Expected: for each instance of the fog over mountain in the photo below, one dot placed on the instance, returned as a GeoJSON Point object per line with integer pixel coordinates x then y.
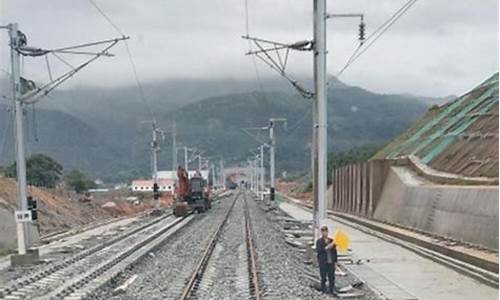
{"type": "Point", "coordinates": [104, 131]}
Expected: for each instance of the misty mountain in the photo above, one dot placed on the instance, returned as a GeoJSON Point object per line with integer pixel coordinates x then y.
{"type": "Point", "coordinates": [73, 142]}
{"type": "Point", "coordinates": [102, 130]}
{"type": "Point", "coordinates": [356, 117]}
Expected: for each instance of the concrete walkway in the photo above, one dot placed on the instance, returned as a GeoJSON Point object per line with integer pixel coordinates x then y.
{"type": "Point", "coordinates": [400, 272]}
{"type": "Point", "coordinates": [107, 229]}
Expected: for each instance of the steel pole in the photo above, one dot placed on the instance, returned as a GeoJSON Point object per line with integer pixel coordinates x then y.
{"type": "Point", "coordinates": [221, 174]}
{"type": "Point", "coordinates": [154, 149]}
{"type": "Point", "coordinates": [321, 101]}
{"type": "Point", "coordinates": [213, 175]}
{"type": "Point", "coordinates": [256, 172]}
{"type": "Point", "coordinates": [271, 158]}
{"type": "Point", "coordinates": [22, 203]}
{"type": "Point", "coordinates": [251, 175]}
{"type": "Point", "coordinates": [186, 158]}
{"type": "Point", "coordinates": [174, 147]}
{"type": "Point", "coordinates": [262, 172]}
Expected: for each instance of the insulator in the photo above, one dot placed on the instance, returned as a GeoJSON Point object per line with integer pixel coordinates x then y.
{"type": "Point", "coordinates": [23, 41]}
{"type": "Point", "coordinates": [362, 32]}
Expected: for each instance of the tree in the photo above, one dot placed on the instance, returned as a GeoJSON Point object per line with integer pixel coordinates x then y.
{"type": "Point", "coordinates": [41, 170]}
{"type": "Point", "coordinates": [78, 181]}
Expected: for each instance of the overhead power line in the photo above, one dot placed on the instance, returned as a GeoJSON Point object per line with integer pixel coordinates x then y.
{"type": "Point", "coordinates": [130, 57]}
{"type": "Point", "coordinates": [374, 36]}
{"type": "Point", "coordinates": [105, 16]}
{"type": "Point", "coordinates": [269, 53]}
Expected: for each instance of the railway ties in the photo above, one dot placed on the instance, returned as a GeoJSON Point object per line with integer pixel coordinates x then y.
{"type": "Point", "coordinates": [227, 268]}
{"type": "Point", "coordinates": [71, 277]}
{"type": "Point", "coordinates": [213, 251]}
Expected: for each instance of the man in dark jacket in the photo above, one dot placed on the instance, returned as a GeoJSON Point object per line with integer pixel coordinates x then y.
{"type": "Point", "coordinates": [327, 257]}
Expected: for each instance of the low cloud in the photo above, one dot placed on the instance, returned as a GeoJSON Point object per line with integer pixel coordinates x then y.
{"type": "Point", "coordinates": [437, 48]}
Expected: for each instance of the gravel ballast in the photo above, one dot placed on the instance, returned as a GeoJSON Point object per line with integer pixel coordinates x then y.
{"type": "Point", "coordinates": [284, 269]}
{"type": "Point", "coordinates": [287, 271]}
{"type": "Point", "coordinates": [164, 273]}
{"type": "Point", "coordinates": [227, 272]}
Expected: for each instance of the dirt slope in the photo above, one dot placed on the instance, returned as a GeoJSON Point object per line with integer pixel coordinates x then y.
{"type": "Point", "coordinates": [63, 210]}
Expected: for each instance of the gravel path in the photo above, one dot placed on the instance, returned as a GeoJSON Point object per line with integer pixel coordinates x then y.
{"type": "Point", "coordinates": [281, 267]}
{"type": "Point", "coordinates": [164, 273]}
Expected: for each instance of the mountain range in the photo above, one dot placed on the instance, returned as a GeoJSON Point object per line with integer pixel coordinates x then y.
{"type": "Point", "coordinates": [105, 131]}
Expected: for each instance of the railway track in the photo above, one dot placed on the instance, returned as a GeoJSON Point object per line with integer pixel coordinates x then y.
{"type": "Point", "coordinates": [228, 268]}
{"type": "Point", "coordinates": [75, 276]}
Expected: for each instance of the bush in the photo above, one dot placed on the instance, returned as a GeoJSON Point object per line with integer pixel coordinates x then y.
{"type": "Point", "coordinates": [77, 181]}
{"type": "Point", "coordinates": [41, 170]}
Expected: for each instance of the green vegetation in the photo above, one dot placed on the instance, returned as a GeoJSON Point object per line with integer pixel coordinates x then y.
{"type": "Point", "coordinates": [44, 171]}
{"type": "Point", "coordinates": [209, 116]}
{"type": "Point", "coordinates": [354, 155]}
{"type": "Point", "coordinates": [41, 170]}
{"type": "Point", "coordinates": [77, 181]}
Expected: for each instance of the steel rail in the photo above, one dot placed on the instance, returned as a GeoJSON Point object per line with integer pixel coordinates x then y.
{"type": "Point", "coordinates": [35, 277]}
{"type": "Point", "coordinates": [76, 288]}
{"type": "Point", "coordinates": [251, 252]}
{"type": "Point", "coordinates": [203, 262]}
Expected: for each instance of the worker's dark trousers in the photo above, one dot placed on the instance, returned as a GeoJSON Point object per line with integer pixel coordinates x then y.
{"type": "Point", "coordinates": [327, 271]}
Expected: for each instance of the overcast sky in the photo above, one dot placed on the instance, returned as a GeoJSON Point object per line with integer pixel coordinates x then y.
{"type": "Point", "coordinates": [439, 47]}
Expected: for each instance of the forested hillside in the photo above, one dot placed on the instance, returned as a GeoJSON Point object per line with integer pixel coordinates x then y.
{"type": "Point", "coordinates": [112, 141]}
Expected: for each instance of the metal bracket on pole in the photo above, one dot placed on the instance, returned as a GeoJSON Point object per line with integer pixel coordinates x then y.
{"type": "Point", "coordinates": [37, 93]}
{"type": "Point", "coordinates": [23, 94]}
{"type": "Point", "coordinates": [275, 55]}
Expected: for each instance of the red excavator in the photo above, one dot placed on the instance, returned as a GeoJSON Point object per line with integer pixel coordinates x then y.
{"type": "Point", "coordinates": [190, 194]}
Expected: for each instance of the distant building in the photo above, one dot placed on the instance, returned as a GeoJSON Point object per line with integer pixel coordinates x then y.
{"type": "Point", "coordinates": [172, 175]}
{"type": "Point", "coordinates": [165, 185]}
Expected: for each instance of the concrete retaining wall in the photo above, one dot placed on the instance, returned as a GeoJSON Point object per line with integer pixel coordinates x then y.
{"type": "Point", "coordinates": [466, 213]}
{"type": "Point", "coordinates": [357, 187]}
{"type": "Point", "coordinates": [397, 195]}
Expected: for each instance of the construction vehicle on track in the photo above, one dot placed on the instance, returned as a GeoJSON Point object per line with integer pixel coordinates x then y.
{"type": "Point", "coordinates": [191, 194]}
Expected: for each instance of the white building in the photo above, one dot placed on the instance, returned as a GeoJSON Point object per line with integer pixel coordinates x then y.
{"type": "Point", "coordinates": [165, 185]}
{"type": "Point", "coordinates": [172, 175]}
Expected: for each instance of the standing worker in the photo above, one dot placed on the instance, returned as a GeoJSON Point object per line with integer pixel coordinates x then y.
{"type": "Point", "coordinates": [327, 258]}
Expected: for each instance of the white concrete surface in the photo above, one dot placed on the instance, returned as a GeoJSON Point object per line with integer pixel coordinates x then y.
{"type": "Point", "coordinates": [107, 229]}
{"type": "Point", "coordinates": [465, 213]}
{"type": "Point", "coordinates": [418, 276]}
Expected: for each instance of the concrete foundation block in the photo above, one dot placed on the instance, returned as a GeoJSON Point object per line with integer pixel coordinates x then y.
{"type": "Point", "coordinates": [31, 257]}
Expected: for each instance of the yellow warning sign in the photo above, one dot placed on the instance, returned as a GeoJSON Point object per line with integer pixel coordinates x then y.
{"type": "Point", "coordinates": [342, 241]}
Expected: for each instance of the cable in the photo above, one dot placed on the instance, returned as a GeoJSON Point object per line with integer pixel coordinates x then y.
{"type": "Point", "coordinates": [384, 30]}
{"type": "Point", "coordinates": [106, 17]}
{"type": "Point", "coordinates": [260, 87]}
{"type": "Point", "coordinates": [376, 35]}
{"type": "Point", "coordinates": [131, 59]}
{"type": "Point", "coordinates": [299, 122]}
{"type": "Point", "coordinates": [138, 82]}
